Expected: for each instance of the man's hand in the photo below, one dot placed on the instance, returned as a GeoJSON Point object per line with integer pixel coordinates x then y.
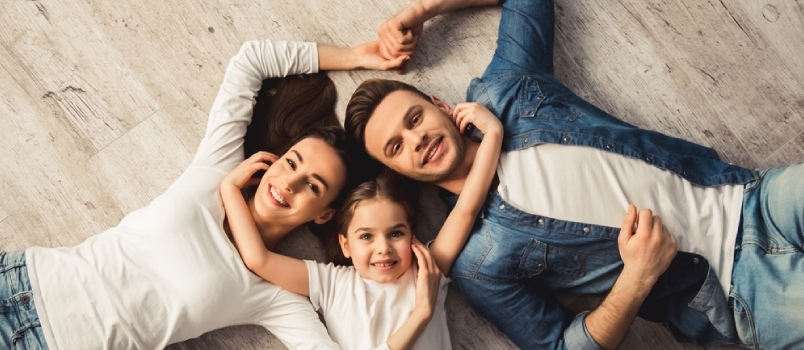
{"type": "Point", "coordinates": [241, 176]}
{"type": "Point", "coordinates": [368, 56]}
{"type": "Point", "coordinates": [647, 253]}
{"type": "Point", "coordinates": [399, 35]}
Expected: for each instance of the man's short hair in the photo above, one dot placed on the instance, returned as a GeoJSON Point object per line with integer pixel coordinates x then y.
{"type": "Point", "coordinates": [365, 100]}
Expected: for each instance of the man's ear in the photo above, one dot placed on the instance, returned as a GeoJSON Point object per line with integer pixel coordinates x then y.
{"type": "Point", "coordinates": [344, 245]}
{"type": "Point", "coordinates": [325, 216]}
{"type": "Point", "coordinates": [441, 104]}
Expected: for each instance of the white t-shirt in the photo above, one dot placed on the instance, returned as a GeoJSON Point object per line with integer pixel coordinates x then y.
{"type": "Point", "coordinates": [168, 272]}
{"type": "Point", "coordinates": [363, 314]}
{"type": "Point", "coordinates": [584, 184]}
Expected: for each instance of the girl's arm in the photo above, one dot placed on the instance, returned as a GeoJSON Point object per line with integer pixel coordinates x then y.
{"type": "Point", "coordinates": [283, 271]}
{"type": "Point", "coordinates": [452, 236]}
{"type": "Point", "coordinates": [427, 284]}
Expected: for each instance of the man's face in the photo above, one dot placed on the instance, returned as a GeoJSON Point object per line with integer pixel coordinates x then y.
{"type": "Point", "coordinates": [414, 137]}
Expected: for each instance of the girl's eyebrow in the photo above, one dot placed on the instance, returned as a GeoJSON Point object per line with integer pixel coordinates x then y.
{"type": "Point", "coordinates": [399, 225]}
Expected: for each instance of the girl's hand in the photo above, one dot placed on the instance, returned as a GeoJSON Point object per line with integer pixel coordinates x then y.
{"type": "Point", "coordinates": [368, 56]}
{"type": "Point", "coordinates": [477, 114]}
{"type": "Point", "coordinates": [427, 280]}
{"type": "Point", "coordinates": [241, 176]}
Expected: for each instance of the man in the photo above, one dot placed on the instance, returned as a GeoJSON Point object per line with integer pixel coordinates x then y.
{"type": "Point", "coordinates": [567, 172]}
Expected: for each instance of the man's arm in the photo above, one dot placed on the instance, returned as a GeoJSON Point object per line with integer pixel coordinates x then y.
{"type": "Point", "coordinates": [399, 36]}
{"type": "Point", "coordinates": [646, 255]}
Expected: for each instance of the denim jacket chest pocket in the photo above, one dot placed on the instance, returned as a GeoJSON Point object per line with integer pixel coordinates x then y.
{"type": "Point", "coordinates": [533, 102]}
{"type": "Point", "coordinates": [554, 266]}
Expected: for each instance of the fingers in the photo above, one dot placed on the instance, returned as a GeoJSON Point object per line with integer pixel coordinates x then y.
{"type": "Point", "coordinates": [627, 229]}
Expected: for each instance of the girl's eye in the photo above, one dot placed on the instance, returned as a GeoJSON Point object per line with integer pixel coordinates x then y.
{"type": "Point", "coordinates": [397, 234]}
{"type": "Point", "coordinates": [292, 164]}
{"type": "Point", "coordinates": [313, 187]}
{"type": "Point", "coordinates": [365, 236]}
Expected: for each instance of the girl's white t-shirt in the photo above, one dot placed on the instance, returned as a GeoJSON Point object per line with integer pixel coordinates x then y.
{"type": "Point", "coordinates": [168, 272]}
{"type": "Point", "coordinates": [363, 314]}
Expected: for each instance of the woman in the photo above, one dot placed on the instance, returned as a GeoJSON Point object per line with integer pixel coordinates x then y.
{"type": "Point", "coordinates": [168, 272]}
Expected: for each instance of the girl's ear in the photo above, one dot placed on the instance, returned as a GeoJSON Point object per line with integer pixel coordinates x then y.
{"type": "Point", "coordinates": [344, 245]}
{"type": "Point", "coordinates": [325, 216]}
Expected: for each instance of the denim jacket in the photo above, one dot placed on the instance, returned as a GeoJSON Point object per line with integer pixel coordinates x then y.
{"type": "Point", "coordinates": [512, 259]}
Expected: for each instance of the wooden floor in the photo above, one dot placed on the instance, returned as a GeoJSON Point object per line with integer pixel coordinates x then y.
{"type": "Point", "coordinates": [103, 103]}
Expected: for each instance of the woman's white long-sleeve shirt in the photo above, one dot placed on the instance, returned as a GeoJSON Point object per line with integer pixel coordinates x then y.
{"type": "Point", "coordinates": [168, 272]}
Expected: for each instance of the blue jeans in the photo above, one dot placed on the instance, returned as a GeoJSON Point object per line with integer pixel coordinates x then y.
{"type": "Point", "coordinates": [19, 322]}
{"type": "Point", "coordinates": [767, 293]}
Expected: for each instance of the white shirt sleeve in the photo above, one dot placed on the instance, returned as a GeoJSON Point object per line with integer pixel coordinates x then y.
{"type": "Point", "coordinates": [222, 146]}
{"type": "Point", "coordinates": [291, 318]}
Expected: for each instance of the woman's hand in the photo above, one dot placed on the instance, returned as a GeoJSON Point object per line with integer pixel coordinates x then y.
{"type": "Point", "coordinates": [427, 280]}
{"type": "Point", "coordinates": [477, 114]}
{"type": "Point", "coordinates": [369, 57]}
{"type": "Point", "coordinates": [241, 176]}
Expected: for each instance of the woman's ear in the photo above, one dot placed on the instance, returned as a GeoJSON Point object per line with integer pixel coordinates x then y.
{"type": "Point", "coordinates": [441, 104]}
{"type": "Point", "coordinates": [344, 245]}
{"type": "Point", "coordinates": [325, 216]}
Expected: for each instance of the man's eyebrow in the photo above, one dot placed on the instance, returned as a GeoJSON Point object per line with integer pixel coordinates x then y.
{"type": "Point", "coordinates": [409, 114]}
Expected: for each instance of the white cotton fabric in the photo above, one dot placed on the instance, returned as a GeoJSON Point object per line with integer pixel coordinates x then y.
{"type": "Point", "coordinates": [584, 184]}
{"type": "Point", "coordinates": [168, 272]}
{"type": "Point", "coordinates": [363, 314]}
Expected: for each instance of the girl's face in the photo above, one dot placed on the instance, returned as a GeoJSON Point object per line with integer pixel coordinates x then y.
{"type": "Point", "coordinates": [300, 186]}
{"type": "Point", "coordinates": [378, 240]}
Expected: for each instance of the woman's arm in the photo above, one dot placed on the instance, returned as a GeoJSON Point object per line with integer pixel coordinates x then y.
{"type": "Point", "coordinates": [283, 271]}
{"type": "Point", "coordinates": [257, 60]}
{"type": "Point", "coordinates": [452, 236]}
{"type": "Point", "coordinates": [427, 283]}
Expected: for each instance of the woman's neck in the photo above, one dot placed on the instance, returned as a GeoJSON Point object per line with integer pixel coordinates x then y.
{"type": "Point", "coordinates": [271, 234]}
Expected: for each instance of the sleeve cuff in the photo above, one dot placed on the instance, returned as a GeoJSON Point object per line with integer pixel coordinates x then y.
{"type": "Point", "coordinates": [576, 336]}
{"type": "Point", "coordinates": [383, 346]}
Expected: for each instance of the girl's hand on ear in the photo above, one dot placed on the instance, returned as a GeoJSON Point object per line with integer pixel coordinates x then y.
{"type": "Point", "coordinates": [477, 114]}
{"type": "Point", "coordinates": [427, 280]}
{"type": "Point", "coordinates": [241, 176]}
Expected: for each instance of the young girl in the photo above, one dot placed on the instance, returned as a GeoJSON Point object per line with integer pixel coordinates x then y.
{"type": "Point", "coordinates": [381, 301]}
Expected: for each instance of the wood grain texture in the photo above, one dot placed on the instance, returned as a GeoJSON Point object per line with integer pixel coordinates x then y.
{"type": "Point", "coordinates": [103, 103]}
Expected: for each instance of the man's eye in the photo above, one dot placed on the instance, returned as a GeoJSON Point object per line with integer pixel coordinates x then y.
{"type": "Point", "coordinates": [292, 164]}
{"type": "Point", "coordinates": [415, 120]}
{"type": "Point", "coordinates": [313, 187]}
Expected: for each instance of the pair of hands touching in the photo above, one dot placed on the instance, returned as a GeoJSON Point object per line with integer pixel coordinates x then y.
{"type": "Point", "coordinates": [397, 40]}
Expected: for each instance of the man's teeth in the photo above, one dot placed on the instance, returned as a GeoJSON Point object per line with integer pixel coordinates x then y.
{"type": "Point", "coordinates": [431, 153]}
{"type": "Point", "coordinates": [277, 197]}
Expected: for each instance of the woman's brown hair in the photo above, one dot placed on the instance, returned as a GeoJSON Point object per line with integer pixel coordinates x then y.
{"type": "Point", "coordinates": [293, 108]}
{"type": "Point", "coordinates": [389, 186]}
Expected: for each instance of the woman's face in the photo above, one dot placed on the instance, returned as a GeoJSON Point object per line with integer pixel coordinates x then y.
{"type": "Point", "coordinates": [378, 240]}
{"type": "Point", "coordinates": [301, 185]}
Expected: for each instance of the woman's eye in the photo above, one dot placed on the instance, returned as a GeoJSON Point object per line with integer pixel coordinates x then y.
{"type": "Point", "coordinates": [313, 187]}
{"type": "Point", "coordinates": [292, 164]}
{"type": "Point", "coordinates": [396, 148]}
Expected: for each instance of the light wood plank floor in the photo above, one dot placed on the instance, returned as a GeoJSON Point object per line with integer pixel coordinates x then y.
{"type": "Point", "coordinates": [103, 103]}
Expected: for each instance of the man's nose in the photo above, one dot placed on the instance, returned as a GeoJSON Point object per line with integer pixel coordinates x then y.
{"type": "Point", "coordinates": [415, 138]}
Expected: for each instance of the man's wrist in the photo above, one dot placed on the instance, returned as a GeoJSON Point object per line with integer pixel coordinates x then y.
{"type": "Point", "coordinates": [637, 280]}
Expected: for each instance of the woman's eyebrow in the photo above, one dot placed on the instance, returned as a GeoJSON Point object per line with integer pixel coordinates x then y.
{"type": "Point", "coordinates": [316, 176]}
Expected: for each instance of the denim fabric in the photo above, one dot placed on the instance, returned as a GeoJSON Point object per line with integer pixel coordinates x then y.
{"type": "Point", "coordinates": [767, 294]}
{"type": "Point", "coordinates": [512, 260]}
{"type": "Point", "coordinates": [19, 322]}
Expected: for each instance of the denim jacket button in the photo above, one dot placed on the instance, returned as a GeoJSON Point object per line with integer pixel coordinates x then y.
{"type": "Point", "coordinates": [649, 158]}
{"type": "Point", "coordinates": [696, 260]}
{"type": "Point", "coordinates": [25, 299]}
{"type": "Point", "coordinates": [502, 206]}
{"type": "Point", "coordinates": [566, 138]}
{"type": "Point", "coordinates": [586, 229]}
{"type": "Point", "coordinates": [609, 146]}
{"type": "Point", "coordinates": [526, 141]}
{"type": "Point", "coordinates": [541, 221]}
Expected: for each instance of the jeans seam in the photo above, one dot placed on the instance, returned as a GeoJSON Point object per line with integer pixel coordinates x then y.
{"type": "Point", "coordinates": [750, 315]}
